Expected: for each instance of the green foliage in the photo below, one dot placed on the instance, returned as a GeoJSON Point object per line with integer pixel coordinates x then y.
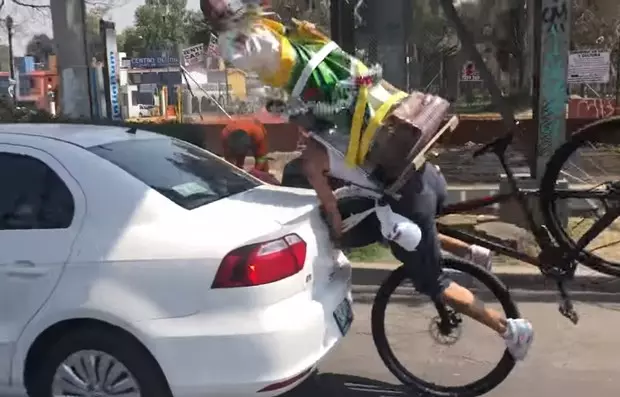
{"type": "Point", "coordinates": [40, 47]}
{"type": "Point", "coordinates": [160, 23]}
{"type": "Point", "coordinates": [197, 30]}
{"type": "Point", "coordinates": [4, 58]}
{"type": "Point", "coordinates": [94, 42]}
{"type": "Point", "coordinates": [192, 133]}
{"type": "Point", "coordinates": [316, 11]}
{"type": "Point", "coordinates": [130, 42]}
{"type": "Point", "coordinates": [371, 253]}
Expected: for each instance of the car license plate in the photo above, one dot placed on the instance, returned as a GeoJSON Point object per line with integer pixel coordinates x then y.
{"type": "Point", "coordinates": [344, 316]}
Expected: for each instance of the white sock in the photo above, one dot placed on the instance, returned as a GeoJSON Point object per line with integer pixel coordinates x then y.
{"type": "Point", "coordinates": [479, 255]}
{"type": "Point", "coordinates": [508, 333]}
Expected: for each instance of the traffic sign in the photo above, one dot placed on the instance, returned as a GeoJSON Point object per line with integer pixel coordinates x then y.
{"type": "Point", "coordinates": [469, 72]}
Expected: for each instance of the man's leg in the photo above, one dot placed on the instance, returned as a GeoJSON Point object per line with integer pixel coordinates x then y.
{"type": "Point", "coordinates": [421, 196]}
{"type": "Point", "coordinates": [478, 255]}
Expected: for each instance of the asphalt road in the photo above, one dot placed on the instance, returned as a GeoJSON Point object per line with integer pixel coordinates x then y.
{"type": "Point", "coordinates": [565, 360]}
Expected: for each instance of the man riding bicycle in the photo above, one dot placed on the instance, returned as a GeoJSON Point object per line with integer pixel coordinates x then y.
{"type": "Point", "coordinates": [316, 73]}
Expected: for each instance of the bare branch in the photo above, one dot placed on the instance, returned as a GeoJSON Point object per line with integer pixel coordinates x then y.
{"type": "Point", "coordinates": [29, 5]}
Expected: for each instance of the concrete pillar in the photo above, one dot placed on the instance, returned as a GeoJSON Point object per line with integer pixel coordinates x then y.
{"type": "Point", "coordinates": [390, 34]}
{"type": "Point", "coordinates": [552, 63]}
{"type": "Point", "coordinates": [70, 42]}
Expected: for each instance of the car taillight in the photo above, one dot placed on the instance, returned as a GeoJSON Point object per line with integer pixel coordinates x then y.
{"type": "Point", "coordinates": [261, 263]}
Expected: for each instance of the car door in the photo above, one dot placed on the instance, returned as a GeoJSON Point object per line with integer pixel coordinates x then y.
{"type": "Point", "coordinates": [41, 210]}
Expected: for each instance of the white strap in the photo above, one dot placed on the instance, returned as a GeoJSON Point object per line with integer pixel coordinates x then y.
{"type": "Point", "coordinates": [314, 62]}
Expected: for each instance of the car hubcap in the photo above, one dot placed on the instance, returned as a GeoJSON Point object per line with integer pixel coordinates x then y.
{"type": "Point", "coordinates": [91, 373]}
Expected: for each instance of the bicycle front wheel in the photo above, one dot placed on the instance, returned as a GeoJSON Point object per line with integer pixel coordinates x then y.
{"type": "Point", "coordinates": [466, 274]}
{"type": "Point", "coordinates": [580, 193]}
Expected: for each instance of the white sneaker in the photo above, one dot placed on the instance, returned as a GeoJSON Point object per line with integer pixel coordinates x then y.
{"type": "Point", "coordinates": [481, 257]}
{"type": "Point", "coordinates": [518, 337]}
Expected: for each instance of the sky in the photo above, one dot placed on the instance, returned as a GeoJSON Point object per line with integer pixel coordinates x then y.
{"type": "Point", "coordinates": [30, 22]}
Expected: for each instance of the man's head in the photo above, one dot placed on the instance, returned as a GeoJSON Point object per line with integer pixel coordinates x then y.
{"type": "Point", "coordinates": [237, 145]}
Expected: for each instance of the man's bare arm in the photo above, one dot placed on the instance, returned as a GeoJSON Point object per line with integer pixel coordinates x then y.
{"type": "Point", "coordinates": [315, 166]}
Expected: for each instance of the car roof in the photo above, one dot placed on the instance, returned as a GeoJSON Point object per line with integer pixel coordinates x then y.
{"type": "Point", "coordinates": [83, 135]}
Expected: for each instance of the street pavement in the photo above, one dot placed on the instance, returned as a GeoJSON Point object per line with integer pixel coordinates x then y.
{"type": "Point", "coordinates": [565, 360]}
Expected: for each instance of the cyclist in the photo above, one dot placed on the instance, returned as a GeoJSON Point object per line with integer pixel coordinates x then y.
{"type": "Point", "coordinates": [281, 57]}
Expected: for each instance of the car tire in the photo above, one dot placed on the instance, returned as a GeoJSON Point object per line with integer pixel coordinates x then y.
{"type": "Point", "coordinates": [140, 365]}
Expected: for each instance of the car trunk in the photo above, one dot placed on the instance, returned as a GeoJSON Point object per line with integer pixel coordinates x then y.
{"type": "Point", "coordinates": [263, 214]}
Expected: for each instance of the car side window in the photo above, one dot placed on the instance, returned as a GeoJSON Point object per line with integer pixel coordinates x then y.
{"type": "Point", "coordinates": [33, 195]}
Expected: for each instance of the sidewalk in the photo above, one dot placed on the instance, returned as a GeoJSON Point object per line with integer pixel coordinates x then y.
{"type": "Point", "coordinates": [514, 276]}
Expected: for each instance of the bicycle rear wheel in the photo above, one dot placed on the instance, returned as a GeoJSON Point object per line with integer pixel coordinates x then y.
{"type": "Point", "coordinates": [415, 383]}
{"type": "Point", "coordinates": [592, 171]}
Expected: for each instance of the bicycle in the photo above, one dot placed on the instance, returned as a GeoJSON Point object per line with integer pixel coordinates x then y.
{"type": "Point", "coordinates": [557, 260]}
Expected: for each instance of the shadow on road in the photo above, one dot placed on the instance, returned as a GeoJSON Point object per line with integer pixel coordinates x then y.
{"type": "Point", "coordinates": [339, 385]}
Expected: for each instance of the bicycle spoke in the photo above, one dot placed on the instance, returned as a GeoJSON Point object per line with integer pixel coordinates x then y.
{"type": "Point", "coordinates": [605, 246]}
{"type": "Point", "coordinates": [601, 224]}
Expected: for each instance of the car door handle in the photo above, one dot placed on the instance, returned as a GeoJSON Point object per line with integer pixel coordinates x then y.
{"type": "Point", "coordinates": [24, 263]}
{"type": "Point", "coordinates": [22, 269]}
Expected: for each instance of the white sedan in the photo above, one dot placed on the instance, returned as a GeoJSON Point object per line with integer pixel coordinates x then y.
{"type": "Point", "coordinates": [133, 264]}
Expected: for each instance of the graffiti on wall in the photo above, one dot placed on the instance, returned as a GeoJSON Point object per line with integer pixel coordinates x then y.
{"type": "Point", "coordinates": [553, 94]}
{"type": "Point", "coordinates": [591, 108]}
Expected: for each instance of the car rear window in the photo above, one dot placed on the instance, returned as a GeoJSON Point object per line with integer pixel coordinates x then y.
{"type": "Point", "coordinates": [186, 174]}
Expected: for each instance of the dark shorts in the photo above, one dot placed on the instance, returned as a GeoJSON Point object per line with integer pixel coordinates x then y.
{"type": "Point", "coordinates": [422, 198]}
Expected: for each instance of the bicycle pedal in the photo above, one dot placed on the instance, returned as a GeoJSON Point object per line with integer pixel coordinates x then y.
{"type": "Point", "coordinates": [567, 310]}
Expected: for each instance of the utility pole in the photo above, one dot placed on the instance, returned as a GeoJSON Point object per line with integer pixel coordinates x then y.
{"type": "Point", "coordinates": [343, 24]}
{"type": "Point", "coordinates": [391, 31]}
{"type": "Point", "coordinates": [73, 66]}
{"type": "Point", "coordinates": [9, 28]}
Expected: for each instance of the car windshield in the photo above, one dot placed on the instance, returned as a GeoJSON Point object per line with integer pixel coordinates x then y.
{"type": "Point", "coordinates": [186, 174]}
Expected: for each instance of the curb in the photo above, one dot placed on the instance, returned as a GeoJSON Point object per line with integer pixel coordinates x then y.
{"type": "Point", "coordinates": [371, 275]}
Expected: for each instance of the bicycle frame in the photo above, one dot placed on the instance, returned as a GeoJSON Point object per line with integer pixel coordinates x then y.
{"type": "Point", "coordinates": [522, 196]}
{"type": "Point", "coordinates": [498, 147]}
{"type": "Point", "coordinates": [472, 238]}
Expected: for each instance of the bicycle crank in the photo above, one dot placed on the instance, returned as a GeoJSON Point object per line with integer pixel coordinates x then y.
{"type": "Point", "coordinates": [566, 305]}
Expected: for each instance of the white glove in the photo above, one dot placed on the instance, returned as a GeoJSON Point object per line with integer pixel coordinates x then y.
{"type": "Point", "coordinates": [397, 228]}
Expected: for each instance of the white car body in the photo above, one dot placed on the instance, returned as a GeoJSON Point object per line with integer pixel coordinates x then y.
{"type": "Point", "coordinates": [134, 259]}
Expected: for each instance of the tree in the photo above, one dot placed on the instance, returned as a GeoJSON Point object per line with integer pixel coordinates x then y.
{"type": "Point", "coordinates": [94, 41]}
{"type": "Point", "coordinates": [161, 23]}
{"type": "Point", "coordinates": [4, 58]}
{"type": "Point", "coordinates": [197, 30]}
{"type": "Point", "coordinates": [315, 11]}
{"type": "Point", "coordinates": [45, 4]}
{"type": "Point", "coordinates": [130, 42]}
{"type": "Point", "coordinates": [594, 25]}
{"type": "Point", "coordinates": [40, 47]}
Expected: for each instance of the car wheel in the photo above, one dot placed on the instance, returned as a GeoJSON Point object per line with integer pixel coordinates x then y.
{"type": "Point", "coordinates": [97, 362]}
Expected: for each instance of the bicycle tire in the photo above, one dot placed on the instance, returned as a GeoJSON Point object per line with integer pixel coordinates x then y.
{"type": "Point", "coordinates": [412, 382]}
{"type": "Point", "coordinates": [547, 193]}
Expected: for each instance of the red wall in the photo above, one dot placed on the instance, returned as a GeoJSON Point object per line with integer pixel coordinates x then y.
{"type": "Point", "coordinates": [591, 108]}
